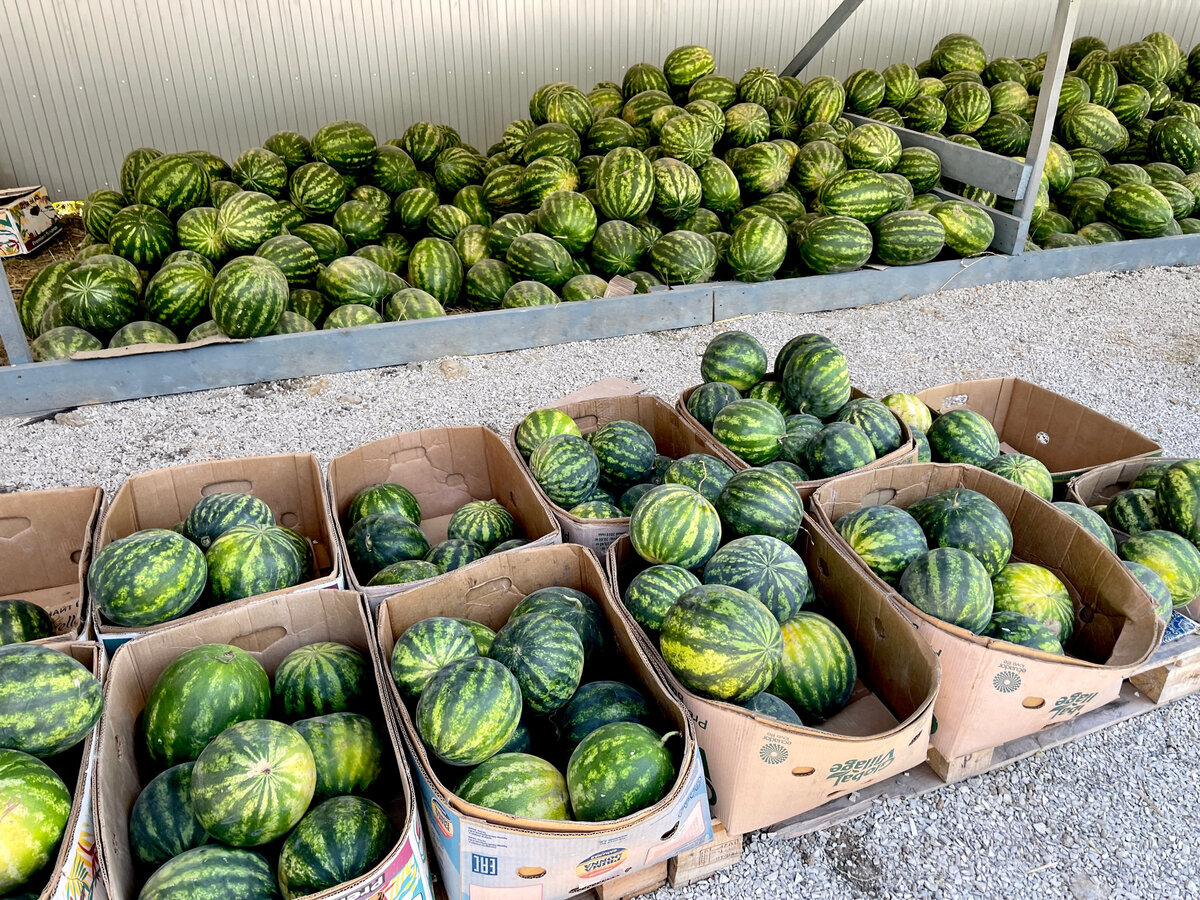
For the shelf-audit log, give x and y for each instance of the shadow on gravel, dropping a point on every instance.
(854, 860)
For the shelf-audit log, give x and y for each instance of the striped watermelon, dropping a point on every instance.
(1177, 495)
(951, 585)
(701, 472)
(384, 497)
(617, 247)
(758, 249)
(750, 428)
(380, 539)
(963, 436)
(484, 522)
(435, 267)
(721, 642)
(61, 342)
(900, 80)
(347, 753)
(968, 107)
(141, 234)
(966, 520)
(1024, 470)
(177, 295)
(162, 822)
(22, 621)
(537, 257)
(675, 525)
(320, 678)
(817, 381)
(736, 358)
(709, 399)
(584, 287)
(197, 231)
(837, 448)
(910, 409)
(886, 538)
(1172, 557)
(48, 701)
(142, 333)
(517, 784)
(686, 65)
(100, 295)
(1026, 631)
(720, 190)
(248, 296)
(1176, 140)
(688, 138)
(294, 149)
(599, 703)
(718, 89)
(767, 569)
(569, 218)
(347, 146)
(625, 451)
(426, 647)
(248, 560)
(411, 303)
(133, 165)
(173, 184)
(878, 422)
(36, 806)
(653, 591)
(469, 711)
(747, 123)
(146, 578)
(872, 146)
(98, 211)
(237, 873)
(528, 293)
(253, 782)
(566, 468)
(1155, 587)
(834, 244)
(258, 169)
(486, 283)
(545, 654)
(684, 257)
(617, 770)
(200, 694)
(1036, 592)
(1091, 521)
(969, 230)
(42, 290)
(759, 501)
(858, 193)
(214, 514)
(1138, 209)
(452, 554)
(546, 175)
(336, 842)
(541, 424)
(247, 219)
(864, 91)
(817, 670)
(422, 141)
(908, 237)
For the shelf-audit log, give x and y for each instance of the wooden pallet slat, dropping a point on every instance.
(724, 851)
(1172, 673)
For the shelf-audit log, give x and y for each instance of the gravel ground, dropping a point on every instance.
(1112, 815)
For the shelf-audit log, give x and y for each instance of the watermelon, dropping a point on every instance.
(177, 295)
(133, 165)
(541, 424)
(320, 678)
(1026, 631)
(99, 296)
(683, 257)
(767, 704)
(248, 296)
(347, 146)
(886, 538)
(1176, 140)
(625, 451)
(963, 436)
(454, 553)
(837, 448)
(617, 247)
(1138, 209)
(172, 184)
(405, 572)
(834, 244)
(425, 647)
(336, 842)
(1133, 510)
(566, 468)
(757, 249)
(413, 207)
(969, 230)
(701, 472)
(599, 703)
(48, 701)
(294, 149)
(859, 194)
(98, 211)
(1172, 557)
(817, 670)
(908, 237)
(486, 283)
(574, 607)
(872, 146)
(878, 422)
(346, 751)
(248, 560)
(618, 769)
(537, 257)
(385, 497)
(968, 107)
(422, 141)
(258, 169)
(735, 358)
(239, 873)
(411, 303)
(720, 190)
(142, 333)
(629, 499)
(966, 520)
(353, 279)
(42, 290)
(484, 522)
(36, 806)
(469, 710)
(910, 409)
(709, 399)
(584, 287)
(545, 654)
(675, 525)
(686, 65)
(146, 578)
(203, 331)
(759, 501)
(22, 621)
(721, 642)
(1091, 521)
(1024, 470)
(1152, 474)
(253, 782)
(141, 234)
(517, 784)
(162, 822)
(1155, 587)
(1178, 498)
(750, 428)
(62, 342)
(688, 138)
(325, 240)
(864, 91)
(214, 514)
(767, 569)
(951, 585)
(380, 539)
(352, 315)
(528, 293)
(1036, 592)
(653, 591)
(718, 89)
(247, 219)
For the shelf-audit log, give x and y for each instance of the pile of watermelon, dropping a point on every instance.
(798, 420)
(504, 714)
(49, 703)
(386, 544)
(228, 548)
(248, 767)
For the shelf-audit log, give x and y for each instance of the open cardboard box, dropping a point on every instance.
(1068, 437)
(760, 770)
(903, 455)
(290, 484)
(444, 468)
(73, 869)
(45, 546)
(269, 629)
(28, 220)
(485, 853)
(671, 435)
(994, 691)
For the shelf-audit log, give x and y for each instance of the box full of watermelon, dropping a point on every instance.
(846, 700)
(176, 541)
(606, 451)
(1068, 437)
(1034, 619)
(49, 767)
(836, 454)
(564, 689)
(199, 713)
(462, 487)
(43, 562)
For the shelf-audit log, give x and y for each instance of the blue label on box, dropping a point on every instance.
(484, 865)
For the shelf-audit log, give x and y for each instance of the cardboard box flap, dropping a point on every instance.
(143, 349)
(1065, 435)
(605, 387)
(1099, 485)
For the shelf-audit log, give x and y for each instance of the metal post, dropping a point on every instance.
(12, 334)
(836, 20)
(1047, 109)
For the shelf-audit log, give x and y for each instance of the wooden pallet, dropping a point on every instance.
(723, 851)
(1172, 672)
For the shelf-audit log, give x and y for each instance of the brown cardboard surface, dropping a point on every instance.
(444, 468)
(570, 856)
(1067, 436)
(45, 548)
(671, 435)
(994, 691)
(761, 770)
(906, 453)
(268, 629)
(290, 484)
(143, 349)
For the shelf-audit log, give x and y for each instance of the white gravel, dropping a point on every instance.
(1112, 815)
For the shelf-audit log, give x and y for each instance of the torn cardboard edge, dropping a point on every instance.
(444, 468)
(1066, 436)
(268, 629)
(903, 455)
(45, 553)
(535, 849)
(761, 770)
(290, 483)
(145, 349)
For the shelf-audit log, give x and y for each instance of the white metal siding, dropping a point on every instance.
(88, 80)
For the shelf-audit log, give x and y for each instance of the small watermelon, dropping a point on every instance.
(1038, 593)
(162, 822)
(886, 538)
(319, 678)
(346, 752)
(334, 843)
(653, 591)
(963, 436)
(469, 711)
(546, 656)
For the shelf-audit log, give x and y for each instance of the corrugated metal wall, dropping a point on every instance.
(90, 79)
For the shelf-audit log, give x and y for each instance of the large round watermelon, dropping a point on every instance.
(469, 711)
(735, 358)
(1026, 631)
(215, 514)
(767, 569)
(334, 843)
(817, 672)
(380, 539)
(951, 585)
(1173, 558)
(36, 808)
(1024, 470)
(235, 873)
(653, 591)
(248, 296)
(1038, 593)
(617, 770)
(22, 621)
(572, 606)
(162, 822)
(966, 520)
(545, 654)
(252, 559)
(517, 784)
(425, 647)
(759, 501)
(886, 538)
(1178, 498)
(675, 525)
(385, 497)
(346, 751)
(837, 448)
(566, 468)
(599, 703)
(963, 436)
(146, 578)
(319, 678)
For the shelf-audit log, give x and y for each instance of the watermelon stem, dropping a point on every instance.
(670, 734)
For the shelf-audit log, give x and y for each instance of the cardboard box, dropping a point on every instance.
(994, 691)
(290, 484)
(268, 629)
(671, 435)
(1067, 436)
(28, 220)
(74, 867)
(45, 548)
(903, 455)
(445, 468)
(483, 853)
(760, 770)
